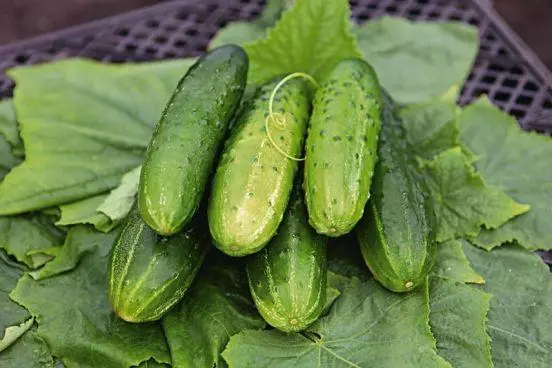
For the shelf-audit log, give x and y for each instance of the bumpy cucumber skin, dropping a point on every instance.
(288, 277)
(184, 144)
(148, 273)
(342, 146)
(253, 181)
(397, 233)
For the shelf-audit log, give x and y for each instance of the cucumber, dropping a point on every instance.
(396, 235)
(186, 139)
(288, 277)
(341, 147)
(149, 273)
(253, 181)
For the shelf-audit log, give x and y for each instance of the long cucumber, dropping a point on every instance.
(149, 273)
(288, 277)
(253, 181)
(182, 149)
(396, 235)
(342, 147)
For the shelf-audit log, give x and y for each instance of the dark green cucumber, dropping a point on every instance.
(149, 273)
(341, 147)
(288, 277)
(253, 181)
(397, 233)
(186, 139)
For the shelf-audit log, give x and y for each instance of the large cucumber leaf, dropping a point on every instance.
(85, 211)
(74, 316)
(519, 319)
(83, 135)
(518, 163)
(119, 201)
(104, 211)
(418, 61)
(367, 326)
(8, 125)
(310, 37)
(30, 351)
(458, 312)
(431, 126)
(451, 263)
(12, 313)
(10, 143)
(19, 235)
(458, 320)
(80, 240)
(462, 201)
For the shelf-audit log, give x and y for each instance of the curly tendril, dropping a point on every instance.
(280, 119)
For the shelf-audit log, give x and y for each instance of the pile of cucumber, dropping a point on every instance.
(263, 201)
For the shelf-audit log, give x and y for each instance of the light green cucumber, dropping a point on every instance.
(184, 144)
(288, 277)
(341, 147)
(148, 273)
(253, 181)
(396, 235)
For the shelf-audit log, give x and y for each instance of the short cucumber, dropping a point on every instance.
(288, 277)
(186, 139)
(397, 233)
(149, 273)
(253, 181)
(341, 147)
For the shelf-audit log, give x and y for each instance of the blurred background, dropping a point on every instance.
(19, 19)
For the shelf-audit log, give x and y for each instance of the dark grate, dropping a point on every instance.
(505, 69)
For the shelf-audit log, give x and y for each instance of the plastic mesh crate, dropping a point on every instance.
(505, 69)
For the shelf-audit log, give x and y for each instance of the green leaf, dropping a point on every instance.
(311, 37)
(240, 33)
(8, 126)
(85, 212)
(461, 199)
(519, 318)
(39, 257)
(431, 126)
(118, 203)
(13, 333)
(7, 158)
(30, 351)
(458, 320)
(21, 234)
(218, 306)
(451, 263)
(80, 240)
(418, 61)
(84, 134)
(75, 319)
(517, 163)
(10, 143)
(12, 313)
(367, 326)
